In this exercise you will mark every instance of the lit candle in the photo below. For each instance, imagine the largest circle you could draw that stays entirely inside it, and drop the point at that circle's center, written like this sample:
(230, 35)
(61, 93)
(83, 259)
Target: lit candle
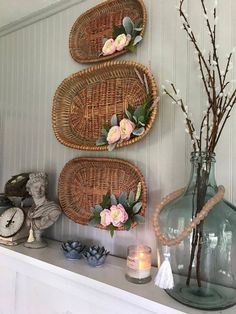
(139, 264)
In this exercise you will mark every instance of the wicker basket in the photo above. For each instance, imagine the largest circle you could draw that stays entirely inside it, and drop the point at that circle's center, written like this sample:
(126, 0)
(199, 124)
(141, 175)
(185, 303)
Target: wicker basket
(86, 100)
(89, 30)
(84, 181)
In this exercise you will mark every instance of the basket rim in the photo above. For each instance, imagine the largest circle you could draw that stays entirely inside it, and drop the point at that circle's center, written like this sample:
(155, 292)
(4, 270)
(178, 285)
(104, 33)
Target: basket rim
(144, 196)
(97, 68)
(75, 54)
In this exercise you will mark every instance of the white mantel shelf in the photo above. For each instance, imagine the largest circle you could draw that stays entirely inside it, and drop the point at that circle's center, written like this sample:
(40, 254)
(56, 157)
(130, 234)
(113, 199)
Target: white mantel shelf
(51, 269)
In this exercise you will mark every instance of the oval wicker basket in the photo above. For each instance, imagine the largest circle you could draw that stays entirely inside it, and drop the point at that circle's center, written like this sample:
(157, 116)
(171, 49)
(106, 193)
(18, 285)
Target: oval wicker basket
(89, 30)
(86, 100)
(84, 180)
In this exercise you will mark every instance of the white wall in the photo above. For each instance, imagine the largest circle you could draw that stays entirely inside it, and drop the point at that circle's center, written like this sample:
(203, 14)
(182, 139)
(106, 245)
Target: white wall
(35, 59)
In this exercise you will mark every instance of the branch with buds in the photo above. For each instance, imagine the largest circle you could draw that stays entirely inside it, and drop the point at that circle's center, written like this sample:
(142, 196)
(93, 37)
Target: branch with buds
(215, 81)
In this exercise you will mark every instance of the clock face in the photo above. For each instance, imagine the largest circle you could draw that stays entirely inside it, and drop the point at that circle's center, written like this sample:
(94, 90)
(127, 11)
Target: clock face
(11, 221)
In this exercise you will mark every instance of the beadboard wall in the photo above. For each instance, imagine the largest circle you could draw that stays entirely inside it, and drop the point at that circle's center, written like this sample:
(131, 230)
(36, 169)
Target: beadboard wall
(34, 60)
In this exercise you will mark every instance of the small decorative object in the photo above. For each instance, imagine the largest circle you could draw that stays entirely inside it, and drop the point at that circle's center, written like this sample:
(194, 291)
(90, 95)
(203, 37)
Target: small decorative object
(103, 21)
(11, 221)
(73, 249)
(85, 102)
(115, 213)
(132, 125)
(196, 223)
(85, 180)
(95, 255)
(43, 213)
(138, 264)
(125, 36)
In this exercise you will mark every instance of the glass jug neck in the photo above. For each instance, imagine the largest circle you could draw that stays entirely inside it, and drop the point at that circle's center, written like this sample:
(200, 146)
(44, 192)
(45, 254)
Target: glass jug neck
(203, 169)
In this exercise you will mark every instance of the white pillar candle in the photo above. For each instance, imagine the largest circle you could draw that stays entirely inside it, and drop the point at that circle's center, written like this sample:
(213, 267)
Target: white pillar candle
(139, 264)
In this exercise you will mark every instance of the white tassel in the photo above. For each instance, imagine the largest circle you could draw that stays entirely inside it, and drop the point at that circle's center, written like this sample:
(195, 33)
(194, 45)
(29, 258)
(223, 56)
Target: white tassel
(164, 278)
(31, 235)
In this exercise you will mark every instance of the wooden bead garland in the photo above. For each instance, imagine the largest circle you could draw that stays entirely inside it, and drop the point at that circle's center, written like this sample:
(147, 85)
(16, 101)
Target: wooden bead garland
(196, 220)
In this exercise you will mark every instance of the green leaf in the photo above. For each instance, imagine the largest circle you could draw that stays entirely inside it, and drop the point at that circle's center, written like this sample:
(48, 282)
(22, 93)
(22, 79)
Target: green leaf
(131, 197)
(111, 147)
(94, 221)
(138, 218)
(111, 229)
(128, 224)
(114, 120)
(137, 207)
(131, 48)
(117, 30)
(101, 141)
(123, 198)
(113, 199)
(128, 25)
(106, 200)
(138, 132)
(138, 29)
(98, 208)
(128, 114)
(137, 40)
(138, 22)
(104, 132)
(139, 112)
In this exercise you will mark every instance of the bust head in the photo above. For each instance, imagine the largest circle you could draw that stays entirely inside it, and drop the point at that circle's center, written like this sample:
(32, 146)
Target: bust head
(37, 185)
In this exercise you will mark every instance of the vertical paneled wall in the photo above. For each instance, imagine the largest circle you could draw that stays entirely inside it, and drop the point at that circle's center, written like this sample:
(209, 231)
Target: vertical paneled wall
(35, 59)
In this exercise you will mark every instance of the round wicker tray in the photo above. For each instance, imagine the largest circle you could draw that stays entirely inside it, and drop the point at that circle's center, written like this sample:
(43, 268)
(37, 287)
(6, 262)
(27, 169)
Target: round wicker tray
(88, 31)
(86, 100)
(84, 181)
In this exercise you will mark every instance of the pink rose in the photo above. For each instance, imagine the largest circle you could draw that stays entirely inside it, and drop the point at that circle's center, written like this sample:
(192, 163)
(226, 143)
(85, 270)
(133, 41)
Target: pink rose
(109, 47)
(105, 217)
(120, 42)
(113, 134)
(118, 215)
(126, 128)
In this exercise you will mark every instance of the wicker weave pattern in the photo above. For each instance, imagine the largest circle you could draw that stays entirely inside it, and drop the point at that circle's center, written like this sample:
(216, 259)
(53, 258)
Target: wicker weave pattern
(86, 100)
(83, 182)
(88, 31)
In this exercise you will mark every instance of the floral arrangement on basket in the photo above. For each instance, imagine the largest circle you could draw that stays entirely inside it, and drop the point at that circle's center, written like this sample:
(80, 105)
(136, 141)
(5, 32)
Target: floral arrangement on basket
(118, 212)
(133, 124)
(125, 36)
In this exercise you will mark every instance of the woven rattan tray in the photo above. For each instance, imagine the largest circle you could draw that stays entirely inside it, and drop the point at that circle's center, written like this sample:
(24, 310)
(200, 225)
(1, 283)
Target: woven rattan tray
(84, 181)
(86, 100)
(88, 31)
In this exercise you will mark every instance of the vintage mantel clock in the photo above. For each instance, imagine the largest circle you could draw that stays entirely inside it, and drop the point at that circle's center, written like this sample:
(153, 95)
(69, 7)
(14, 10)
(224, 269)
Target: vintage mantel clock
(13, 229)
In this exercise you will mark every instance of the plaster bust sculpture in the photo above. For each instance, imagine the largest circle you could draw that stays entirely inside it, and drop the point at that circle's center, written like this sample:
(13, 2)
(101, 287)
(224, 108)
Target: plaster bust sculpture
(43, 213)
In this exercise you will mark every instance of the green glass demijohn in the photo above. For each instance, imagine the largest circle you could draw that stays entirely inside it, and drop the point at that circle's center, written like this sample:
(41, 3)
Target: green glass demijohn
(204, 263)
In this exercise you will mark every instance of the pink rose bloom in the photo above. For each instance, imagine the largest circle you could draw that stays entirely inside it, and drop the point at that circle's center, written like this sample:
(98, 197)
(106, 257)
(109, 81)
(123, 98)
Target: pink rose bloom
(120, 42)
(105, 217)
(109, 47)
(113, 134)
(126, 128)
(118, 215)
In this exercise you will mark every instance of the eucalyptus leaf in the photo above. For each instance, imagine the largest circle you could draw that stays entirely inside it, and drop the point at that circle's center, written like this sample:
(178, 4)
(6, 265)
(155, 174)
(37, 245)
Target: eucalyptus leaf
(101, 141)
(113, 199)
(114, 120)
(138, 22)
(128, 114)
(111, 229)
(104, 132)
(98, 208)
(137, 40)
(128, 224)
(111, 147)
(138, 132)
(139, 111)
(140, 219)
(94, 221)
(137, 207)
(131, 197)
(106, 200)
(128, 25)
(138, 29)
(123, 198)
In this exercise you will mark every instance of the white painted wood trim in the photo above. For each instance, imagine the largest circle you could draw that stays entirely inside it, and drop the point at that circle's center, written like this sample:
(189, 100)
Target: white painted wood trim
(38, 15)
(50, 267)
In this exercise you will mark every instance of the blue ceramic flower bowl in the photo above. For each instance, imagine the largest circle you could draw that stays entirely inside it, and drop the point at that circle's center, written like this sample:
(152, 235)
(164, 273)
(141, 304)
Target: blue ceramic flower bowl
(95, 256)
(73, 249)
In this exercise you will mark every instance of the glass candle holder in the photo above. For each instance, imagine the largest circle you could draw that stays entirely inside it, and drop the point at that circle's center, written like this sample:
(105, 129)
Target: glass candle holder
(138, 268)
